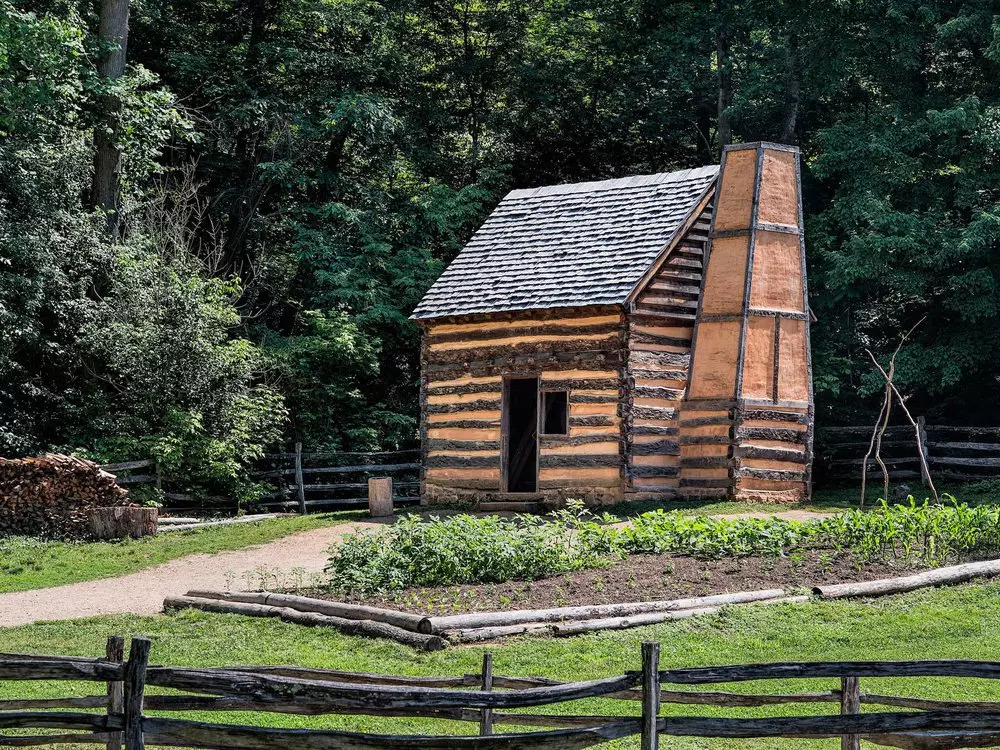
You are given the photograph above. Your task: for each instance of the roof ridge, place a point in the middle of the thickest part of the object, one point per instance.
(615, 183)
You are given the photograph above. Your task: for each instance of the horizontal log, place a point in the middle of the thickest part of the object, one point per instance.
(991, 447)
(366, 468)
(563, 328)
(662, 359)
(770, 454)
(770, 415)
(56, 668)
(366, 628)
(463, 423)
(651, 391)
(706, 421)
(31, 704)
(128, 465)
(651, 618)
(705, 440)
(652, 429)
(705, 462)
(179, 732)
(578, 627)
(597, 421)
(656, 448)
(581, 384)
(274, 689)
(577, 461)
(548, 441)
(46, 740)
(59, 720)
(462, 462)
(438, 444)
(812, 670)
(529, 350)
(772, 433)
(829, 725)
(360, 678)
(780, 475)
(492, 633)
(653, 412)
(639, 337)
(556, 614)
(527, 365)
(346, 455)
(485, 404)
(949, 575)
(405, 620)
(136, 479)
(255, 518)
(590, 398)
(654, 471)
(986, 463)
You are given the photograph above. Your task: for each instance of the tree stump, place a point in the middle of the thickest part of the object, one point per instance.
(122, 522)
(380, 496)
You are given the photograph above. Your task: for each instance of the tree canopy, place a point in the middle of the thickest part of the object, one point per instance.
(295, 173)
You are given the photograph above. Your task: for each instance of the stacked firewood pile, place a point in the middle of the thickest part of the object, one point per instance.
(51, 495)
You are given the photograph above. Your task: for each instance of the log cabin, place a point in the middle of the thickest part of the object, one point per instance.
(626, 339)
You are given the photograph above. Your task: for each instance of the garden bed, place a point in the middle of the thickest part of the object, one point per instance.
(638, 578)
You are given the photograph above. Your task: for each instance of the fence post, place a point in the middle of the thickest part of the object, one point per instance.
(850, 704)
(135, 688)
(650, 694)
(486, 714)
(380, 496)
(925, 454)
(115, 652)
(299, 482)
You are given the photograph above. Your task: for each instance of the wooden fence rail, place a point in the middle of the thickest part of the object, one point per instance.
(957, 453)
(304, 481)
(329, 481)
(484, 699)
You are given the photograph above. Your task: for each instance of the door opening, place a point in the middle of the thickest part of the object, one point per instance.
(522, 434)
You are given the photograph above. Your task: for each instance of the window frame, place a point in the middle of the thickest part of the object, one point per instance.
(542, 393)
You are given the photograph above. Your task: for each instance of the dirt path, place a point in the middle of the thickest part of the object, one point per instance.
(143, 592)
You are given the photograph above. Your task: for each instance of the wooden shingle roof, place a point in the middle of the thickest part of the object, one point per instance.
(587, 243)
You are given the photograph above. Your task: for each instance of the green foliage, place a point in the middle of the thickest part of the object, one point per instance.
(470, 549)
(466, 549)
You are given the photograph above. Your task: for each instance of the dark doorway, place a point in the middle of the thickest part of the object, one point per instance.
(522, 434)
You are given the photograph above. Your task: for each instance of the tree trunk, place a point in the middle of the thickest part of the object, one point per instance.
(725, 98)
(793, 88)
(113, 33)
(122, 522)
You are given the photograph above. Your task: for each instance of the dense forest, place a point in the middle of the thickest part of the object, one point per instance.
(215, 248)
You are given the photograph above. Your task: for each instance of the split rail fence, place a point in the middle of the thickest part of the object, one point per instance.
(485, 699)
(967, 454)
(329, 481)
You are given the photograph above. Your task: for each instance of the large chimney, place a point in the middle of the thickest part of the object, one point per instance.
(746, 421)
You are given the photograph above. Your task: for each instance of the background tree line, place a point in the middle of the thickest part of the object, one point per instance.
(291, 175)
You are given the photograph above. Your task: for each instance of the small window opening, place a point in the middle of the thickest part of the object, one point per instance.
(555, 413)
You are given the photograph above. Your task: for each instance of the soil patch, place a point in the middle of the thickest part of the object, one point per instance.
(640, 578)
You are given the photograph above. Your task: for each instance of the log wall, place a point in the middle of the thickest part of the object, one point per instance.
(660, 327)
(465, 364)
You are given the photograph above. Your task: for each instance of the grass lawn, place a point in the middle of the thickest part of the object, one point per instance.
(32, 564)
(958, 622)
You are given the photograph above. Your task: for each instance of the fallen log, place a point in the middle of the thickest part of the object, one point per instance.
(224, 522)
(368, 628)
(477, 635)
(557, 614)
(950, 574)
(405, 620)
(577, 627)
(648, 618)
